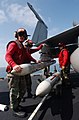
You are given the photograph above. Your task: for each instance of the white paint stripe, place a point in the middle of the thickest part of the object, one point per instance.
(37, 108)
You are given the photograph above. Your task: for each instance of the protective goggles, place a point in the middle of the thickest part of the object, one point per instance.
(22, 34)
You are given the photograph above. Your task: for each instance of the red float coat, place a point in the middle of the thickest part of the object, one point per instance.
(16, 55)
(64, 57)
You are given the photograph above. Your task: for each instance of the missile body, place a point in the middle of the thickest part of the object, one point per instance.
(74, 59)
(45, 86)
(31, 67)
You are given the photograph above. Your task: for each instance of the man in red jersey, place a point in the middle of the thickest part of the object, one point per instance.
(16, 54)
(64, 62)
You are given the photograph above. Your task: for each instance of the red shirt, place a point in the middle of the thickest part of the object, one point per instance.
(16, 54)
(64, 57)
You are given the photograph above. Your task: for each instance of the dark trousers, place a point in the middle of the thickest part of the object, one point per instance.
(65, 72)
(28, 83)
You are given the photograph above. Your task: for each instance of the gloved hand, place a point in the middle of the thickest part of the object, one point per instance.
(38, 61)
(17, 68)
(63, 67)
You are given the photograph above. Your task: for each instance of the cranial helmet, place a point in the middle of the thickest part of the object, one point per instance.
(21, 32)
(61, 44)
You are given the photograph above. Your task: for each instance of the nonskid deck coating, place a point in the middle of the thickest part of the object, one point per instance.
(55, 107)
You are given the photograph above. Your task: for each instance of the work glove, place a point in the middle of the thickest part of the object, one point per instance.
(17, 68)
(63, 67)
(38, 61)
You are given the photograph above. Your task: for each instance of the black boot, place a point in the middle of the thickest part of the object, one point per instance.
(19, 113)
(29, 95)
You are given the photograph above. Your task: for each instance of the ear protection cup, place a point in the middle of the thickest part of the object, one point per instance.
(15, 34)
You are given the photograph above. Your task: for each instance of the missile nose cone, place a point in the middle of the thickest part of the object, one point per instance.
(43, 88)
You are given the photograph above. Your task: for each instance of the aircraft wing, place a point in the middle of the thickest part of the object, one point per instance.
(68, 37)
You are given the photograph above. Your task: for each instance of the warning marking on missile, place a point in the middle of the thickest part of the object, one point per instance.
(53, 77)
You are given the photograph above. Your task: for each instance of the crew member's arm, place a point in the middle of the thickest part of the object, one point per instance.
(65, 58)
(36, 49)
(9, 53)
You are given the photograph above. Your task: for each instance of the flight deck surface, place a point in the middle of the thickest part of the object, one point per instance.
(65, 107)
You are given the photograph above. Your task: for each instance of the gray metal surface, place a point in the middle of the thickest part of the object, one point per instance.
(55, 107)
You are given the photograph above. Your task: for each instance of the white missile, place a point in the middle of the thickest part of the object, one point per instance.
(45, 86)
(32, 67)
(74, 59)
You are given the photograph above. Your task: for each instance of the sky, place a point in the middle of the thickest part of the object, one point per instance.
(58, 15)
